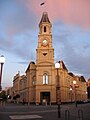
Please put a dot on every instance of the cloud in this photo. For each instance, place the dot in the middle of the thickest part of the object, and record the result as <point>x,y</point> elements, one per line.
<point>74,50</point>
<point>21,62</point>
<point>17,28</point>
<point>16,18</point>
<point>19,21</point>
<point>70,11</point>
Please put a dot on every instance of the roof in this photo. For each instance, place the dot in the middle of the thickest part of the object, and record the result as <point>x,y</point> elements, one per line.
<point>32,62</point>
<point>82,79</point>
<point>62,65</point>
<point>71,74</point>
<point>44,18</point>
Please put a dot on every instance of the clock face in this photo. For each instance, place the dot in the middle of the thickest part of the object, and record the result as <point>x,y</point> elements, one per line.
<point>45,42</point>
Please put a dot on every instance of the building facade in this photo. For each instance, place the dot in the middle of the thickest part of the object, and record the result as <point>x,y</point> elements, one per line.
<point>40,82</point>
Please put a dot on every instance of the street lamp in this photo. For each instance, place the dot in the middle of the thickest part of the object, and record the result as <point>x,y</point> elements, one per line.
<point>58,99</point>
<point>74,82</point>
<point>71,93</point>
<point>2,61</point>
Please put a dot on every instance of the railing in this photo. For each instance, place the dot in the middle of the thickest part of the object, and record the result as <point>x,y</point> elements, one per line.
<point>67,115</point>
<point>79,117</point>
<point>80,114</point>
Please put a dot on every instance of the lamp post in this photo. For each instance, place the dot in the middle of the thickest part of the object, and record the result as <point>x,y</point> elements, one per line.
<point>2,61</point>
<point>71,93</point>
<point>86,94</point>
<point>58,99</point>
<point>74,82</point>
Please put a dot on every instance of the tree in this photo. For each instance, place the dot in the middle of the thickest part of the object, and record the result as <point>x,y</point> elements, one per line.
<point>3,95</point>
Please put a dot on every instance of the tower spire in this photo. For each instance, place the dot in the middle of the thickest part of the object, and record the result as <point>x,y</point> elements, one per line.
<point>44,18</point>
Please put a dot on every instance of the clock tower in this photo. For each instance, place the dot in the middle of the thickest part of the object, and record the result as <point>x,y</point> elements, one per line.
<point>45,51</point>
<point>45,62</point>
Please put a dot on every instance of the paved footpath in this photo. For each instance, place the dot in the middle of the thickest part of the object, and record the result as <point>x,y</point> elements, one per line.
<point>31,112</point>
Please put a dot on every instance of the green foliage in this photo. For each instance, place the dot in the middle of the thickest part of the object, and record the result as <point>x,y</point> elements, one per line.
<point>3,95</point>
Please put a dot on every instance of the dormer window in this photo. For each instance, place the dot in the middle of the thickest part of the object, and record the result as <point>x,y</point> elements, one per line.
<point>44,28</point>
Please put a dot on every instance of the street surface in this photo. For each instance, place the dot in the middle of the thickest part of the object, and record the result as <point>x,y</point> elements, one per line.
<point>11,111</point>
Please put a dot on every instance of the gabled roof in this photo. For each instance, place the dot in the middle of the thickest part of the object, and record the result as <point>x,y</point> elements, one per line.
<point>71,74</point>
<point>62,65</point>
<point>82,79</point>
<point>29,65</point>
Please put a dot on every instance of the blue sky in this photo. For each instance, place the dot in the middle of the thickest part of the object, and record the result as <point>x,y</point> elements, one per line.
<point>19,20</point>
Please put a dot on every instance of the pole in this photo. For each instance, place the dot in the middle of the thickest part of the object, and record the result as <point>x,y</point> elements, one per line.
<point>71,96</point>
<point>75,97</point>
<point>71,93</point>
<point>1,75</point>
<point>58,95</point>
<point>28,97</point>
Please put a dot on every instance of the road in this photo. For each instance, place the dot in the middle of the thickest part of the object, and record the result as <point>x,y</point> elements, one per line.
<point>12,111</point>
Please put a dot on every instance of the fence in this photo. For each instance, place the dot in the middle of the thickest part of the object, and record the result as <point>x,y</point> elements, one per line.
<point>79,117</point>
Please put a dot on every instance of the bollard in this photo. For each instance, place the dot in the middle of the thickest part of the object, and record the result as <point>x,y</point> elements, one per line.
<point>67,115</point>
<point>80,114</point>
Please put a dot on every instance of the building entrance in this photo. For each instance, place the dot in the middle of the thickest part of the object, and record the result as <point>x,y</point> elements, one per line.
<point>45,98</point>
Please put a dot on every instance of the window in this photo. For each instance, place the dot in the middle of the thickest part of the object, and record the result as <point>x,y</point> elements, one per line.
<point>34,82</point>
<point>45,79</point>
<point>44,28</point>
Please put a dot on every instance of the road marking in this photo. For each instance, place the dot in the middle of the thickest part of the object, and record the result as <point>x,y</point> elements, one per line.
<point>21,117</point>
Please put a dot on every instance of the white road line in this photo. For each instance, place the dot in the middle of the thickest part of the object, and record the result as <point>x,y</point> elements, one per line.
<point>21,117</point>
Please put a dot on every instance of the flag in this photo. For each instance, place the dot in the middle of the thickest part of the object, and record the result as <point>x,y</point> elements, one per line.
<point>42,3</point>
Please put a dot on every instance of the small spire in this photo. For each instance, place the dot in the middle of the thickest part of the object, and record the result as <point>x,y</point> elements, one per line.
<point>44,18</point>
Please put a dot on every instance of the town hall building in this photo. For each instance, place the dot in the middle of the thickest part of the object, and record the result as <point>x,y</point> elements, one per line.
<point>41,81</point>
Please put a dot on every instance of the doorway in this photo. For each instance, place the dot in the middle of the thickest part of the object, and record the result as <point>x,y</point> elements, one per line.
<point>45,98</point>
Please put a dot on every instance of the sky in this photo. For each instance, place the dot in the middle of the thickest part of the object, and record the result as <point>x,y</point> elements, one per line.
<point>19,27</point>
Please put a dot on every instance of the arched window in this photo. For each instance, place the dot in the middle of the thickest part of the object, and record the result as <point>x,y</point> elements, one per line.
<point>45,79</point>
<point>44,28</point>
<point>34,80</point>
